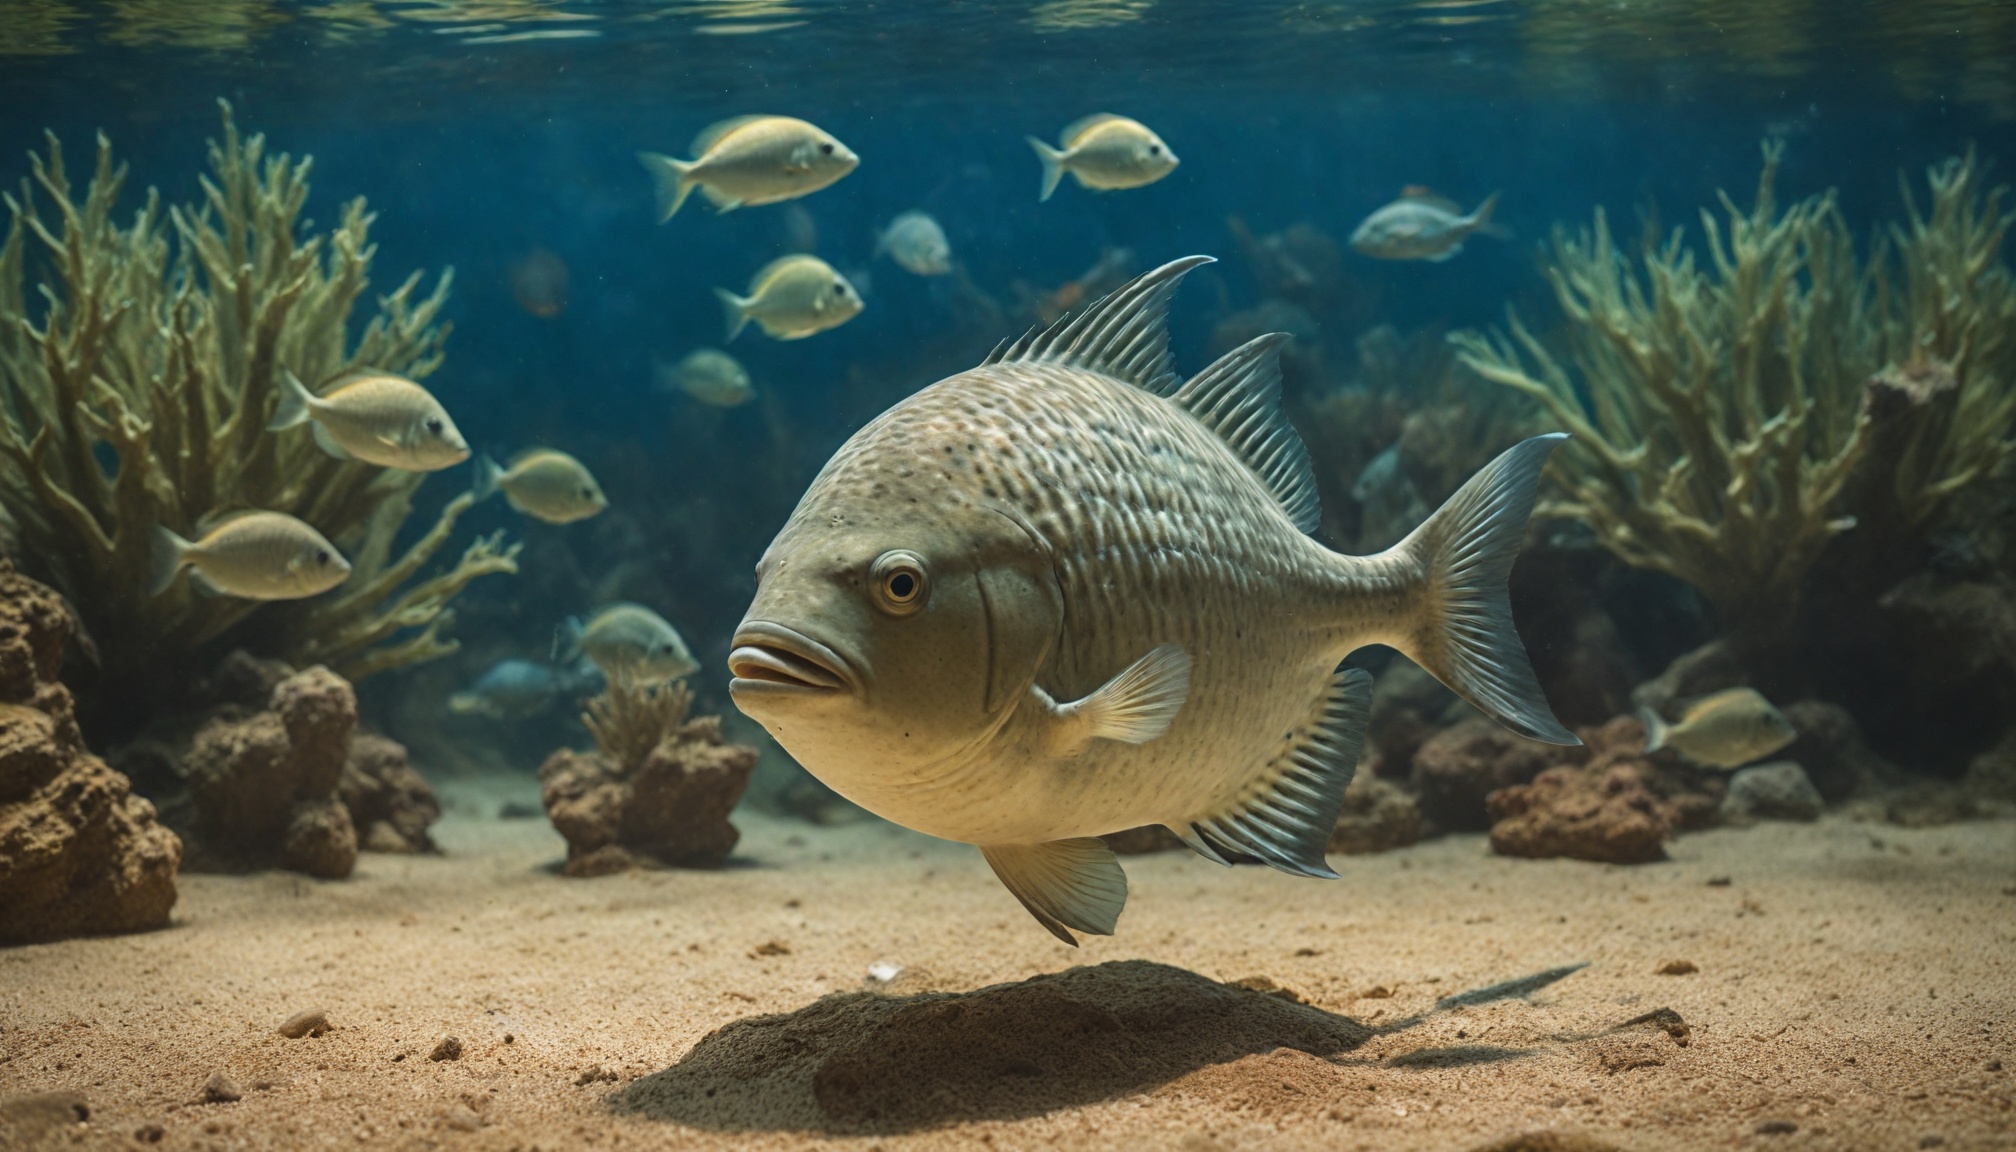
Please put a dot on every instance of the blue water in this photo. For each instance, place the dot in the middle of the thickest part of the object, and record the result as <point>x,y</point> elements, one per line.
<point>475,151</point>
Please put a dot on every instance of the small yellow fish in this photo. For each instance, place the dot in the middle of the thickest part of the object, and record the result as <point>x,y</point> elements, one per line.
<point>710,376</point>
<point>1726,730</point>
<point>1105,152</point>
<point>626,641</point>
<point>543,484</point>
<point>792,298</point>
<point>375,417</point>
<point>917,244</point>
<point>251,555</point>
<point>750,160</point>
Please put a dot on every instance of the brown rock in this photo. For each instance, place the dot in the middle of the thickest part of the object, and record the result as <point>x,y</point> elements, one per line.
<point>1378,816</point>
<point>264,785</point>
<point>220,1089</point>
<point>319,710</point>
<point>79,854</point>
<point>446,1048</point>
<point>1457,768</point>
<point>1831,750</point>
<point>310,1022</point>
<point>320,840</point>
<point>1677,968</point>
<point>1608,815</point>
<point>1408,706</point>
<point>386,797</point>
<point>672,810</point>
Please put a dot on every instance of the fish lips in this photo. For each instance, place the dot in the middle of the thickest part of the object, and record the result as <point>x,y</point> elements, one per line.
<point>771,660</point>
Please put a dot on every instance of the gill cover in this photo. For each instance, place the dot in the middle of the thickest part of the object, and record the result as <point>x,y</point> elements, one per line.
<point>1021,605</point>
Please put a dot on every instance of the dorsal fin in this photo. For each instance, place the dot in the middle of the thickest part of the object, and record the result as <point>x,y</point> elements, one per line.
<point>712,134</point>
<point>1422,194</point>
<point>775,266</point>
<point>1124,334</point>
<point>1082,125</point>
<point>1239,397</point>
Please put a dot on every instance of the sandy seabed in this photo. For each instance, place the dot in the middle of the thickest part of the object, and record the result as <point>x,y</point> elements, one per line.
<point>1854,986</point>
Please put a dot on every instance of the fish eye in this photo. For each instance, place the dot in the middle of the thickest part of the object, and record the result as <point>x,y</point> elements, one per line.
<point>434,426</point>
<point>826,148</point>
<point>322,557</point>
<point>899,582</point>
<point>1154,149</point>
<point>839,287</point>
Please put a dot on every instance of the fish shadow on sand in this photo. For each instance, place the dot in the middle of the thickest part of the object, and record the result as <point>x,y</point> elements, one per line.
<point>865,1063</point>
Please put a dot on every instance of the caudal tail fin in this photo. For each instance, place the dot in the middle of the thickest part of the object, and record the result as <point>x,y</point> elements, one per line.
<point>567,640</point>
<point>171,553</point>
<point>735,310</point>
<point>1464,554</point>
<point>1053,165</point>
<point>671,179</point>
<point>489,477</point>
<point>294,408</point>
<point>1656,730</point>
<point>1480,220</point>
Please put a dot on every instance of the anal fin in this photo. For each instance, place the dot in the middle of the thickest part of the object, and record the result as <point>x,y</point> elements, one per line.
<point>327,442</point>
<point>1286,822</point>
<point>1065,884</point>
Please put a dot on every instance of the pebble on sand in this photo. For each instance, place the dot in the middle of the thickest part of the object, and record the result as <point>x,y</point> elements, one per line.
<point>310,1022</point>
<point>1677,968</point>
<point>221,1089</point>
<point>446,1048</point>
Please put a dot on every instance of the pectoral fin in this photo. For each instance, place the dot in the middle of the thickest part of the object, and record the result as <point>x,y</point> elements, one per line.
<point>1134,707</point>
<point>1065,884</point>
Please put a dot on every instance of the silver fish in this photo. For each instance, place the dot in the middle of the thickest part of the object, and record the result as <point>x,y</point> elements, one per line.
<point>916,242</point>
<point>750,160</point>
<point>627,641</point>
<point>1725,730</point>
<point>252,555</point>
<point>1422,226</point>
<point>1104,152</point>
<point>543,484</point>
<point>512,689</point>
<point>375,417</point>
<point>792,298</point>
<point>710,376</point>
<point>1065,594</point>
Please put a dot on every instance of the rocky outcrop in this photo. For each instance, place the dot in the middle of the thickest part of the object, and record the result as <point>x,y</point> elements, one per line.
<point>1378,816</point>
<point>264,787</point>
<point>1615,807</point>
<point>79,853</point>
<point>1456,769</point>
<point>670,809</point>
<point>389,804</point>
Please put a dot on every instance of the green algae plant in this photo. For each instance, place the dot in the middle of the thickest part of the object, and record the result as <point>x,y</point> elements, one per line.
<point>136,382</point>
<point>1734,415</point>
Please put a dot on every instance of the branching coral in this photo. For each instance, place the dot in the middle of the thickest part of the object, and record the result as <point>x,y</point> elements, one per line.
<point>137,391</point>
<point>629,720</point>
<point>1721,409</point>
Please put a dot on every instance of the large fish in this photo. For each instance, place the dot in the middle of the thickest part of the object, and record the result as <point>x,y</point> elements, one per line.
<point>1064,594</point>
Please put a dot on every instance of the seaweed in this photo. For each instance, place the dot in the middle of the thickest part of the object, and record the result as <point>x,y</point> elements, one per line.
<point>136,382</point>
<point>1725,407</point>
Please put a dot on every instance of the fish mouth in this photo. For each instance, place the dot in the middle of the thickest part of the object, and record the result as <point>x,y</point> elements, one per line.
<point>770,658</point>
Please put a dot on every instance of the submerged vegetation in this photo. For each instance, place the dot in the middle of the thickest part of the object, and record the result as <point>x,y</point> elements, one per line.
<point>1736,409</point>
<point>136,382</point>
